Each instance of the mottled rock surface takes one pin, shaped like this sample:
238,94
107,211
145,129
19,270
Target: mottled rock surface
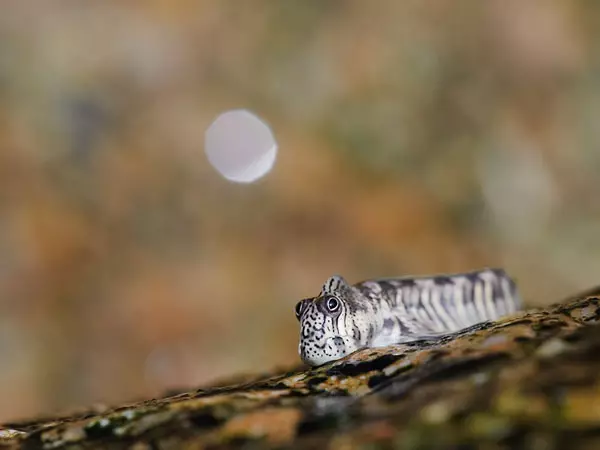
529,381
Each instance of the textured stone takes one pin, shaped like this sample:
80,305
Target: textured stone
531,380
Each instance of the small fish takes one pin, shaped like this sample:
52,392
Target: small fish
344,318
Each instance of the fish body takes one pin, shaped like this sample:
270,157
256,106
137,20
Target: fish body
344,318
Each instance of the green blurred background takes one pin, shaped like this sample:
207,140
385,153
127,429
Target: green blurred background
415,137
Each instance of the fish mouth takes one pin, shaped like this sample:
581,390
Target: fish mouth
322,343
332,348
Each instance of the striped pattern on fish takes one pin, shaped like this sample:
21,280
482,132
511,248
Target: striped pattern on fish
344,318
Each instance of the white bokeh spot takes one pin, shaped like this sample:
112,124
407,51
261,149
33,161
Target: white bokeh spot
240,146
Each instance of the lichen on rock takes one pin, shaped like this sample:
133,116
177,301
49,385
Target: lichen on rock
529,380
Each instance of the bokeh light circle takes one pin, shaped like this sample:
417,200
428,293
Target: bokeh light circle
240,146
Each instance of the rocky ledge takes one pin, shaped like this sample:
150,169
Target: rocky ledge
529,381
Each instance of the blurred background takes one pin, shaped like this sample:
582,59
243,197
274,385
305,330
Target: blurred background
414,138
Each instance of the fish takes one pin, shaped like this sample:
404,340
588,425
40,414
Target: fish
345,317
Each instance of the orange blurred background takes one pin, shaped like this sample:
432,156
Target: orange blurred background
414,138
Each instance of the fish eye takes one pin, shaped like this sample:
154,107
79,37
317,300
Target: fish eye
299,308
332,304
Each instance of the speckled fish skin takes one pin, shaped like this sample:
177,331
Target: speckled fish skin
344,318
